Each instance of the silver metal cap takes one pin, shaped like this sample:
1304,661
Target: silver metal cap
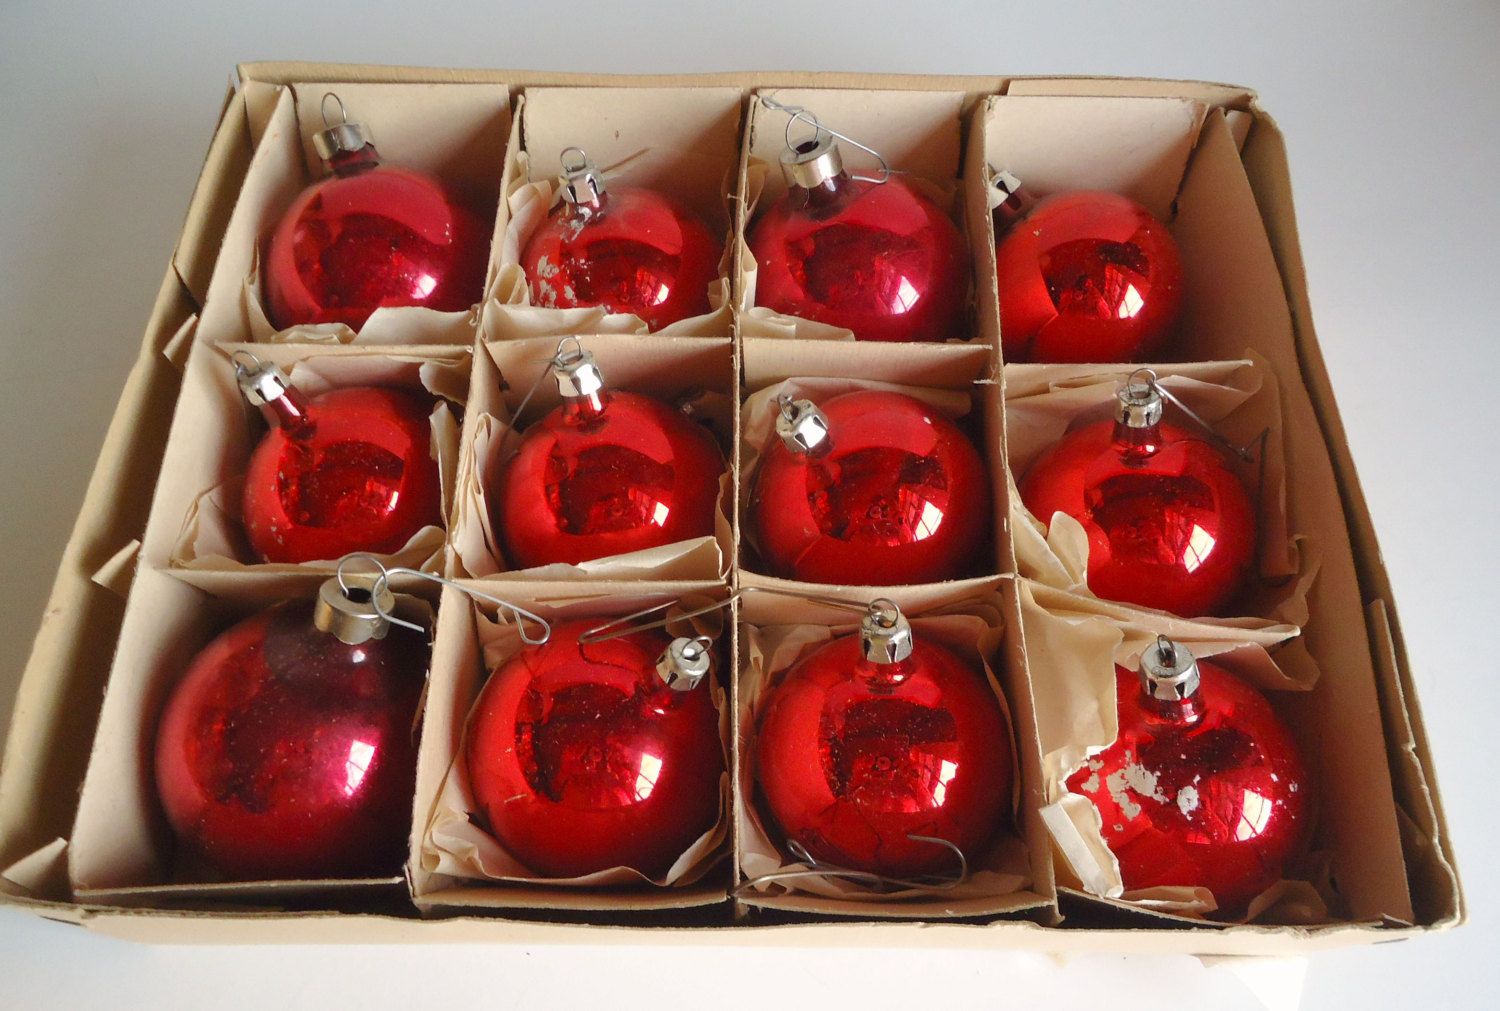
885,634
813,162
685,663
800,425
260,383
341,136
1003,188
350,615
1140,404
577,373
1169,672
582,182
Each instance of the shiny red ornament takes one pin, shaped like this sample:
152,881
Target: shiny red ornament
877,259
1087,277
892,492
1203,787
856,757
625,249
372,236
1169,523
604,473
350,470
285,753
582,758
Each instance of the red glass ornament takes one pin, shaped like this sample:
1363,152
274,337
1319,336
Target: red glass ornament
284,753
373,236
1205,791
1169,523
1087,277
604,473
855,757
626,249
351,470
877,259
581,758
895,493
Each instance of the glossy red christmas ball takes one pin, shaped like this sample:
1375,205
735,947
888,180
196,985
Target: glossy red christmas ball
895,494
1206,791
352,470
854,758
629,250
373,236
285,753
605,474
878,259
1087,277
581,758
1169,523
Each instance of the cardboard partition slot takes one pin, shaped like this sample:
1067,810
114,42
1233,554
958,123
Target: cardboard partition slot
957,381
680,143
458,860
697,375
196,529
918,134
122,850
1241,404
456,133
1153,150
1007,875
1074,644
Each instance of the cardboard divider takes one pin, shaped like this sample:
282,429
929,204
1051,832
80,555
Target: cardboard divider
456,132
680,142
1240,401
698,373
456,864
957,380
1075,644
1208,157
1012,877
918,132
195,528
122,850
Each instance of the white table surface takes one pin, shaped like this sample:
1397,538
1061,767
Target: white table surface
1389,111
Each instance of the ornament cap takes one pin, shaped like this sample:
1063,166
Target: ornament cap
685,663
1140,403
260,383
352,608
1008,198
342,136
802,428
885,634
576,371
582,182
813,162
1169,671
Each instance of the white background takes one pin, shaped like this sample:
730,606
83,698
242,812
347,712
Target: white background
1389,110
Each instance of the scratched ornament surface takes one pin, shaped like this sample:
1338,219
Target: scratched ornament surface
638,251
1208,792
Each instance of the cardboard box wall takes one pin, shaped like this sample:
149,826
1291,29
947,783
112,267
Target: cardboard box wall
58,701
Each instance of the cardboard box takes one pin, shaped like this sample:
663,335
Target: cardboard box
1204,155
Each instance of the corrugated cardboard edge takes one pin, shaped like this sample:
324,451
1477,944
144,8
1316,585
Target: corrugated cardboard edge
1266,165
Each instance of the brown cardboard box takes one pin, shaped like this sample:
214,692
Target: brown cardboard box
1206,150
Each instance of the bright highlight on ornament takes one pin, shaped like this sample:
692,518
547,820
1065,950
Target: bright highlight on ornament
872,256
371,236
